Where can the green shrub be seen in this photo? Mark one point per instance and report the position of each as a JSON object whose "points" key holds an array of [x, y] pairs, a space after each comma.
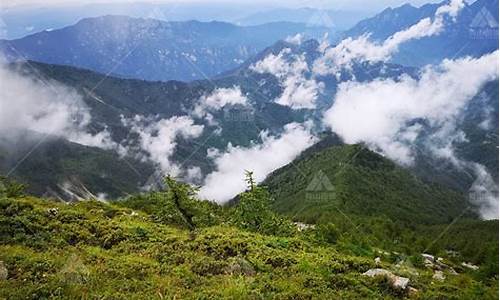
{"points": [[10, 188], [327, 233], [253, 212]]}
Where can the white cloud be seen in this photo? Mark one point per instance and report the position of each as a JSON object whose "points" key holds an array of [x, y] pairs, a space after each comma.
{"points": [[219, 98], [484, 193], [324, 43], [378, 112], [381, 114], [277, 64], [50, 108], [296, 39], [159, 138], [274, 152], [363, 49], [298, 91], [452, 8], [193, 174]]}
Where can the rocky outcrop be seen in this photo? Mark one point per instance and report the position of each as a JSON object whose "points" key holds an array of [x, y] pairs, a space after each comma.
{"points": [[303, 226], [470, 266], [437, 264], [438, 275], [397, 282]]}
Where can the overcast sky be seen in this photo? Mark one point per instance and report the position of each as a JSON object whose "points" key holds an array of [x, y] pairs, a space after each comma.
{"points": [[331, 4]]}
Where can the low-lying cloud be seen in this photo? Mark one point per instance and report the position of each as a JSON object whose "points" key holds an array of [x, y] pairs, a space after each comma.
{"points": [[298, 91], [158, 139], [295, 39], [274, 152], [363, 49], [484, 193], [28, 104], [216, 100], [378, 112], [385, 113]]}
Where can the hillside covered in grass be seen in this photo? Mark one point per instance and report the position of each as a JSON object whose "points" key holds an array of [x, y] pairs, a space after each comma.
{"points": [[354, 180], [177, 247]]}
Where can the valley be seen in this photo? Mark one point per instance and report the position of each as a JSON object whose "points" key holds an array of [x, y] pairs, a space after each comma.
{"points": [[272, 153]]}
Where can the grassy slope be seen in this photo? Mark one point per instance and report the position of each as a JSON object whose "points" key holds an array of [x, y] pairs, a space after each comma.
{"points": [[364, 184], [96, 250]]}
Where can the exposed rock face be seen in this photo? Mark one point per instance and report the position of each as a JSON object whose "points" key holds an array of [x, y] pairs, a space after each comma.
{"points": [[438, 275], [428, 256], [412, 292], [303, 226], [397, 282], [470, 266], [400, 282], [437, 263], [428, 260], [377, 272]]}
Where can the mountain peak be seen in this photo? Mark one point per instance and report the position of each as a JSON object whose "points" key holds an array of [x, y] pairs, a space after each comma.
{"points": [[155, 49], [356, 180]]}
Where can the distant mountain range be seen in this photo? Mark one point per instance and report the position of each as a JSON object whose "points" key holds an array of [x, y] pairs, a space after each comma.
{"points": [[337, 20], [17, 22], [474, 32], [115, 97], [272, 155], [225, 53], [109, 98], [151, 49]]}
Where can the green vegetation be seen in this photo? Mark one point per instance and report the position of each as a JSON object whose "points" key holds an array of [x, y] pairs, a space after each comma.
{"points": [[360, 199], [352, 180], [167, 244], [254, 213], [10, 188], [55, 161]]}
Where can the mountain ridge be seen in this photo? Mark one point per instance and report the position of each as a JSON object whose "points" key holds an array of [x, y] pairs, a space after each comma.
{"points": [[460, 37], [185, 50], [363, 183]]}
